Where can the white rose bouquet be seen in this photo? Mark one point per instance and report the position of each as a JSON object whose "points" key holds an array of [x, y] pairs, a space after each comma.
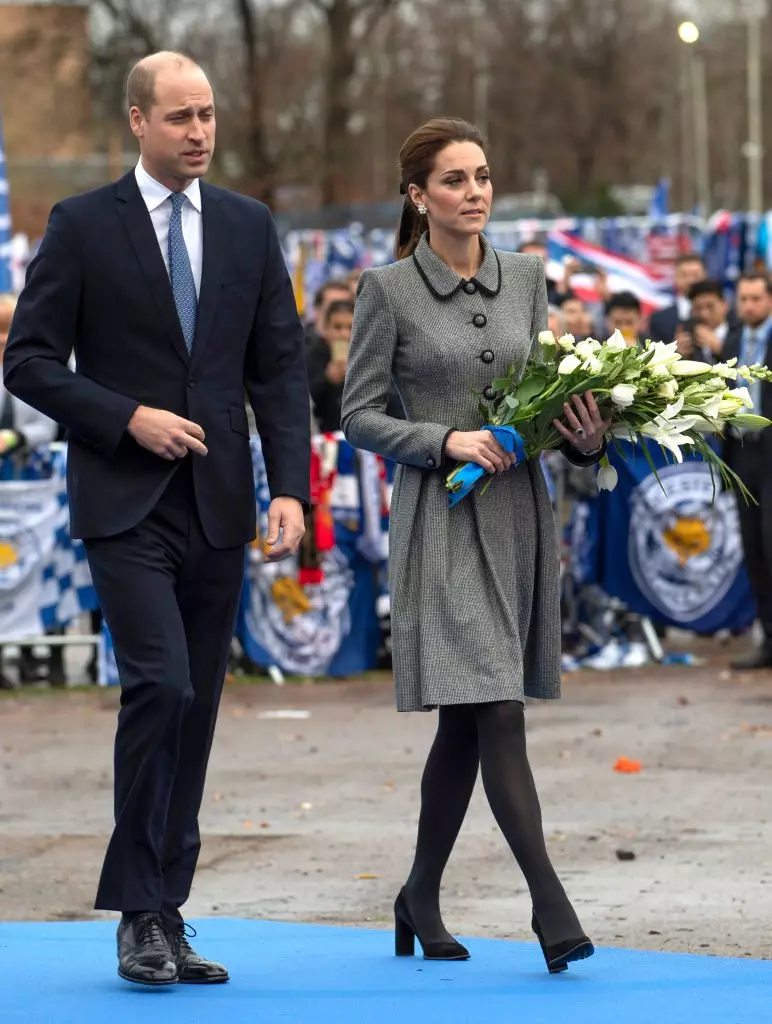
{"points": [[642, 392]]}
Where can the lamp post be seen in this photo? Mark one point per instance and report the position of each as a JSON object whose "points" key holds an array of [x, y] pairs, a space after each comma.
{"points": [[689, 34], [753, 150]]}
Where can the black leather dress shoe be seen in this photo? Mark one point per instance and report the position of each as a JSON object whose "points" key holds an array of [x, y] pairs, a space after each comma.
{"points": [[760, 658], [192, 969], [144, 955]]}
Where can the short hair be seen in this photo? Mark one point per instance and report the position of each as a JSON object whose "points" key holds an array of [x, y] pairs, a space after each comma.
{"points": [[756, 275], [339, 306], [569, 297], [336, 283], [688, 257], [623, 300], [140, 85], [706, 287], [532, 243]]}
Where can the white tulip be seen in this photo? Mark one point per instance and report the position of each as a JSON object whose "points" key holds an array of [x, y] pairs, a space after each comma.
{"points": [[608, 478], [568, 364], [668, 388], [587, 348], [566, 342], [616, 343], [690, 368], [547, 338], [623, 395], [592, 365]]}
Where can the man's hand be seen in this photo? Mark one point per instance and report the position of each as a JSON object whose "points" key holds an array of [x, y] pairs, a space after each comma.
{"points": [[285, 516], [335, 372], [708, 339], [166, 434], [684, 342]]}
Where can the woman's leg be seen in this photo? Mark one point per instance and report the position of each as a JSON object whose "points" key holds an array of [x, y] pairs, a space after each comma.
{"points": [[446, 789], [512, 796]]}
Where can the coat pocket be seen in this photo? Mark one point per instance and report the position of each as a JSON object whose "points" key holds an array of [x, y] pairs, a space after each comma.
{"points": [[239, 421]]}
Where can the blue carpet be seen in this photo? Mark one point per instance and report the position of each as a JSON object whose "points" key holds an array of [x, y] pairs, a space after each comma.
{"points": [[303, 974]]}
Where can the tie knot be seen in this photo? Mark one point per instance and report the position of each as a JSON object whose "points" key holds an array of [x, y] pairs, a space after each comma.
{"points": [[178, 200]]}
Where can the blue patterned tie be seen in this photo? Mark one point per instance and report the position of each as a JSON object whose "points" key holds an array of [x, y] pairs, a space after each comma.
{"points": [[183, 283]]}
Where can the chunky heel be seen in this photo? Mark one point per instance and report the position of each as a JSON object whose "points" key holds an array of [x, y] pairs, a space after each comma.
{"points": [[405, 935], [558, 957], [404, 938]]}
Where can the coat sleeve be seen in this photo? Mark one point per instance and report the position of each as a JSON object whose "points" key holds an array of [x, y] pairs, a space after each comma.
{"points": [[368, 387], [42, 338], [276, 380]]}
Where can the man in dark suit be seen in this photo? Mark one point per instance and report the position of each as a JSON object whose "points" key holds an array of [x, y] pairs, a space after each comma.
{"points": [[689, 269], [750, 454], [175, 298]]}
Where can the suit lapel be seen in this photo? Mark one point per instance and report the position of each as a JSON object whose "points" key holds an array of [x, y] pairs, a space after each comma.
{"points": [[139, 227], [211, 271]]}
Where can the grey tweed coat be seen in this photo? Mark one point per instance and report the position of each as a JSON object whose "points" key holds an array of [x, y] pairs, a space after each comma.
{"points": [[474, 589]]}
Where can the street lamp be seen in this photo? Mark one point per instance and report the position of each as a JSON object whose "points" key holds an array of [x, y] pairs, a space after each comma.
{"points": [[689, 34], [753, 150]]}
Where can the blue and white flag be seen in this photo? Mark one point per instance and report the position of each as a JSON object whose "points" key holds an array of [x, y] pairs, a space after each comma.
{"points": [[684, 556], [6, 277]]}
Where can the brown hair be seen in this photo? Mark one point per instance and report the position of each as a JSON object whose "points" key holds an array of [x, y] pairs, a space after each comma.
{"points": [[140, 85], [756, 275], [688, 257], [416, 163]]}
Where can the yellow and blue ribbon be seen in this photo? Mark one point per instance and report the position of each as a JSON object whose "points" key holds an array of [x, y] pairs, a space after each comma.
{"points": [[469, 475]]}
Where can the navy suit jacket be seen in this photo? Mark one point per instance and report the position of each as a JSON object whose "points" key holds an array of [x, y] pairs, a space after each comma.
{"points": [[98, 286], [663, 324]]}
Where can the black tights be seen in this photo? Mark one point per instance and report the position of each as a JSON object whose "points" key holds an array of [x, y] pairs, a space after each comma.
{"points": [[493, 736]]}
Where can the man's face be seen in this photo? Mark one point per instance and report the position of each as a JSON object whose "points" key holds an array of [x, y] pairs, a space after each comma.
{"points": [[576, 317], [628, 321], [754, 303], [688, 273], [710, 310], [536, 249], [177, 135], [340, 293], [338, 326]]}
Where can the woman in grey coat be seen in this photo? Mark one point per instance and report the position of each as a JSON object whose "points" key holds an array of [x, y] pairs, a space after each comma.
{"points": [[475, 603]]}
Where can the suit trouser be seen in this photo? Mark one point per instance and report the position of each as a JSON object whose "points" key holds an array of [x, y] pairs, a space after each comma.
{"points": [[170, 602], [750, 461]]}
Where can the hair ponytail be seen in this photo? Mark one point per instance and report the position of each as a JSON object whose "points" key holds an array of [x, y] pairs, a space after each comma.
{"points": [[411, 227], [416, 163]]}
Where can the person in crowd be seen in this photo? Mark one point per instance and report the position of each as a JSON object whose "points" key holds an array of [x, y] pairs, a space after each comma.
{"points": [[474, 589], [689, 269], [22, 428], [703, 334], [750, 453], [331, 291], [555, 289], [576, 316], [625, 314], [175, 298], [326, 361]]}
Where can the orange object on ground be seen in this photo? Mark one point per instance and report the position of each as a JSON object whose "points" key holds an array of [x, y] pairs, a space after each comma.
{"points": [[624, 764]]}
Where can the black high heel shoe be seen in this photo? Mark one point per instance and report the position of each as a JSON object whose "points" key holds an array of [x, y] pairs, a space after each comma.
{"points": [[559, 956], [405, 934]]}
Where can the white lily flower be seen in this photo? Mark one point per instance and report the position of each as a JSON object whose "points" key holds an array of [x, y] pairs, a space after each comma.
{"points": [[668, 388], [608, 478], [587, 348], [567, 342], [616, 343], [741, 395], [547, 338], [711, 408], [666, 438], [690, 368], [568, 364], [623, 395], [664, 355], [726, 371], [660, 371], [672, 410], [592, 365]]}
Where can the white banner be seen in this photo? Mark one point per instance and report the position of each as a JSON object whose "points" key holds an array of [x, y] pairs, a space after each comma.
{"points": [[29, 511]]}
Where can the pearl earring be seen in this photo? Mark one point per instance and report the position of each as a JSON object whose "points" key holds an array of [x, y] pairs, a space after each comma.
{"points": [[422, 211]]}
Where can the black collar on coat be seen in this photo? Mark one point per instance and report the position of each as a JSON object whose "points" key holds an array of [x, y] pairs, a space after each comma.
{"points": [[443, 282]]}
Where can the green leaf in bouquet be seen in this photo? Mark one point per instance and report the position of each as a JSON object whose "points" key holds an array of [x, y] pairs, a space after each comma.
{"points": [[512, 401], [532, 386], [502, 383]]}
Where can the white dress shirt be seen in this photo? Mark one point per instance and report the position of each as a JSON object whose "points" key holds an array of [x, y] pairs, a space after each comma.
{"points": [[684, 307], [159, 207]]}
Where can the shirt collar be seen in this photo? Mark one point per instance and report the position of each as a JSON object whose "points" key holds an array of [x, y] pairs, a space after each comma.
{"points": [[762, 331], [684, 307], [443, 282], [154, 193]]}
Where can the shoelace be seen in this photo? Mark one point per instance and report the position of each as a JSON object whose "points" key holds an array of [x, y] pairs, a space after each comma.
{"points": [[180, 937], [149, 929]]}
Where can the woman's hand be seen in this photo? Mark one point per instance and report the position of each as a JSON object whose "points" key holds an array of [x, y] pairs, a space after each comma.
{"points": [[480, 447], [586, 429]]}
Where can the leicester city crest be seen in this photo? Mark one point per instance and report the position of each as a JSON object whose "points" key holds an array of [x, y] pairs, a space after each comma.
{"points": [[685, 548]]}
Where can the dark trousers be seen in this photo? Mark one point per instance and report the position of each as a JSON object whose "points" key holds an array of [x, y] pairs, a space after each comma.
{"points": [[751, 463], [170, 602]]}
